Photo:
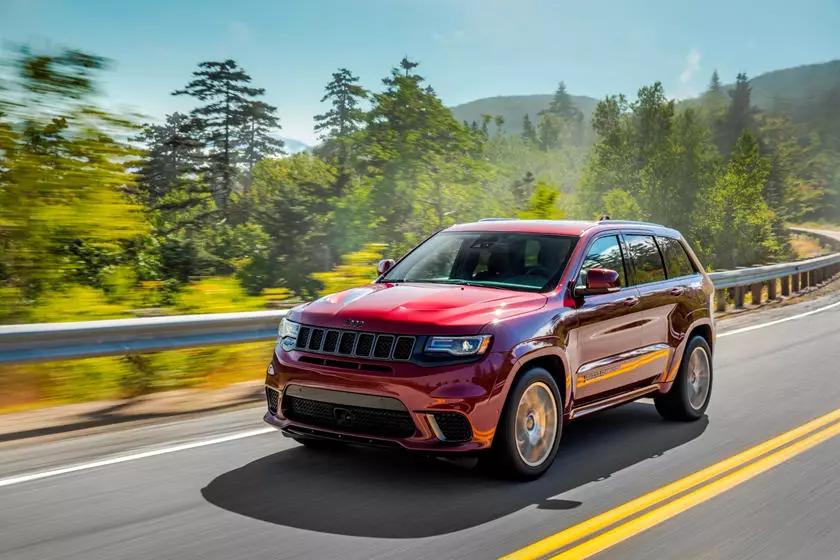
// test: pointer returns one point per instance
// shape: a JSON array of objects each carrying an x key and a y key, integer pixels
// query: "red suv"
[{"x": 489, "y": 336}]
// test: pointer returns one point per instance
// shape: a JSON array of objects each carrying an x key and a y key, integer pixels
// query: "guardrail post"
[
  {"x": 786, "y": 285},
  {"x": 771, "y": 290},
  {"x": 756, "y": 293},
  {"x": 794, "y": 279},
  {"x": 720, "y": 300},
  {"x": 739, "y": 297}
]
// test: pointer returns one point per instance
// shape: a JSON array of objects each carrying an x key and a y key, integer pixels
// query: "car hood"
[{"x": 417, "y": 308}]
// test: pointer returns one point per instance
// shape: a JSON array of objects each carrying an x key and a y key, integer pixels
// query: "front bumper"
[{"x": 423, "y": 393}]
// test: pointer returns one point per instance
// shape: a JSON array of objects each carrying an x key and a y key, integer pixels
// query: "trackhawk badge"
[{"x": 354, "y": 323}]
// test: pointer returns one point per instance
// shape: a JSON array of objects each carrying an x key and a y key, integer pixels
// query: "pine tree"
[
  {"x": 739, "y": 116},
  {"x": 254, "y": 137},
  {"x": 714, "y": 84},
  {"x": 500, "y": 123},
  {"x": 571, "y": 118},
  {"x": 338, "y": 125},
  {"x": 529, "y": 133},
  {"x": 173, "y": 159},
  {"x": 224, "y": 90}
]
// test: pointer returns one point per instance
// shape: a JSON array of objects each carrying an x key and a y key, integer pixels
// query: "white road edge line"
[
  {"x": 776, "y": 322},
  {"x": 250, "y": 433},
  {"x": 124, "y": 458}
]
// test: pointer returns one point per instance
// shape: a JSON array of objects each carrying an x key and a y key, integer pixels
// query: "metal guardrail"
[{"x": 90, "y": 339}]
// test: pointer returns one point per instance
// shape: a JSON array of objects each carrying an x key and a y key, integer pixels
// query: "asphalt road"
[{"x": 263, "y": 496}]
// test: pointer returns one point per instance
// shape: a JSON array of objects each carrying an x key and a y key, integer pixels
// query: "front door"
[{"x": 608, "y": 335}]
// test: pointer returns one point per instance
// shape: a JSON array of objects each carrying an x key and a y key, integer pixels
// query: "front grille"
[
  {"x": 355, "y": 344},
  {"x": 272, "y": 397},
  {"x": 347, "y": 418},
  {"x": 454, "y": 426}
]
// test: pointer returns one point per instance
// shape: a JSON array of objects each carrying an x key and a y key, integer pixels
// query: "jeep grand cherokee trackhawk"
[{"x": 489, "y": 336}]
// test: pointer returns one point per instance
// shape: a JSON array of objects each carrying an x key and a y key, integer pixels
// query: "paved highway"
[{"x": 223, "y": 487}]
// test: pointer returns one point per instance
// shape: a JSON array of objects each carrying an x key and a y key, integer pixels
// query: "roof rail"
[
  {"x": 496, "y": 219},
  {"x": 629, "y": 222}
]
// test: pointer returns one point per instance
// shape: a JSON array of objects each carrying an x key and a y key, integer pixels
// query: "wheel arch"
[{"x": 552, "y": 360}]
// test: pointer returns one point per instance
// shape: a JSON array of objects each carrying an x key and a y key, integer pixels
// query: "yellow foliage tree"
[{"x": 356, "y": 269}]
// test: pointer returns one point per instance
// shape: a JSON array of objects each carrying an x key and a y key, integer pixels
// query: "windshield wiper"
[{"x": 453, "y": 281}]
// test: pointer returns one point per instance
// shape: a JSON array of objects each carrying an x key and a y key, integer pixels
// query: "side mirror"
[
  {"x": 384, "y": 266},
  {"x": 599, "y": 281}
]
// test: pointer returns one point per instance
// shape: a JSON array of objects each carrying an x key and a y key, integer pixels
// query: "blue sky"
[{"x": 467, "y": 48}]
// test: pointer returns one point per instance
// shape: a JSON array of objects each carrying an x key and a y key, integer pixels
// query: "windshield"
[{"x": 517, "y": 261}]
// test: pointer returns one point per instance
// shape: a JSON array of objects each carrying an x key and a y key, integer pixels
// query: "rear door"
[
  {"x": 608, "y": 334},
  {"x": 659, "y": 298},
  {"x": 685, "y": 288}
]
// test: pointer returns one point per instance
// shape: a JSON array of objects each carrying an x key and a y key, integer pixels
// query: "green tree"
[
  {"x": 544, "y": 204},
  {"x": 529, "y": 133},
  {"x": 227, "y": 99},
  {"x": 737, "y": 220},
  {"x": 738, "y": 118},
  {"x": 567, "y": 126},
  {"x": 620, "y": 205},
  {"x": 355, "y": 270},
  {"x": 64, "y": 181},
  {"x": 338, "y": 126},
  {"x": 254, "y": 137},
  {"x": 413, "y": 147},
  {"x": 291, "y": 202}
]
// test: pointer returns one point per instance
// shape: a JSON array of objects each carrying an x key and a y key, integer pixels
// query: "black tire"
[
  {"x": 677, "y": 403},
  {"x": 318, "y": 443},
  {"x": 504, "y": 458}
]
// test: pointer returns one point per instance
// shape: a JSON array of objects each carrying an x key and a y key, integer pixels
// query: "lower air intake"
[
  {"x": 347, "y": 418},
  {"x": 454, "y": 426},
  {"x": 272, "y": 397}
]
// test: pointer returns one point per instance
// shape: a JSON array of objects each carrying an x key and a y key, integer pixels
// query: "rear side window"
[
  {"x": 677, "y": 262},
  {"x": 604, "y": 253},
  {"x": 647, "y": 260}
]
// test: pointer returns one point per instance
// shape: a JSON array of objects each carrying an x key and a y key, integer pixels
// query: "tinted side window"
[
  {"x": 646, "y": 259},
  {"x": 677, "y": 262},
  {"x": 604, "y": 253}
]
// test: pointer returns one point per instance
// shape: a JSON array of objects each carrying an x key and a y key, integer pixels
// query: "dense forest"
[{"x": 203, "y": 211}]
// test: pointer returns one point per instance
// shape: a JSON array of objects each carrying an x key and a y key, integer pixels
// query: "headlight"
[
  {"x": 288, "y": 328},
  {"x": 459, "y": 345},
  {"x": 288, "y": 333}
]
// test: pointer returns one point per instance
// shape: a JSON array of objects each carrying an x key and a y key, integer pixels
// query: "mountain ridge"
[{"x": 770, "y": 90}]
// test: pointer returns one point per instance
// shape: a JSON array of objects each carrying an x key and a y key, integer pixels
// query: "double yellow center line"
[{"x": 704, "y": 484}]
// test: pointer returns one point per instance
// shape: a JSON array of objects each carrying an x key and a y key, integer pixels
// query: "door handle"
[
  {"x": 675, "y": 291},
  {"x": 631, "y": 301}
]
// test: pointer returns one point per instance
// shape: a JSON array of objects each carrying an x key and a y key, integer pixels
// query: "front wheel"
[
  {"x": 688, "y": 397},
  {"x": 529, "y": 429}
]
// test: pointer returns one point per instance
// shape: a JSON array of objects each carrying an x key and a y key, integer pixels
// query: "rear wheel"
[
  {"x": 529, "y": 429},
  {"x": 688, "y": 397}
]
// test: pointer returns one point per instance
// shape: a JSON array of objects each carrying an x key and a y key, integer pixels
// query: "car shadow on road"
[{"x": 384, "y": 494}]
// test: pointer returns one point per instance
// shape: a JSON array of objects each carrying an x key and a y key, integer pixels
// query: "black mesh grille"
[
  {"x": 365, "y": 345},
  {"x": 384, "y": 342},
  {"x": 315, "y": 339},
  {"x": 271, "y": 397},
  {"x": 348, "y": 339},
  {"x": 303, "y": 337},
  {"x": 331, "y": 341},
  {"x": 351, "y": 419},
  {"x": 402, "y": 351},
  {"x": 454, "y": 426},
  {"x": 356, "y": 344}
]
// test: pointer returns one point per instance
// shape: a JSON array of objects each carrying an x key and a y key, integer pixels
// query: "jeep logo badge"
[{"x": 354, "y": 323}]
